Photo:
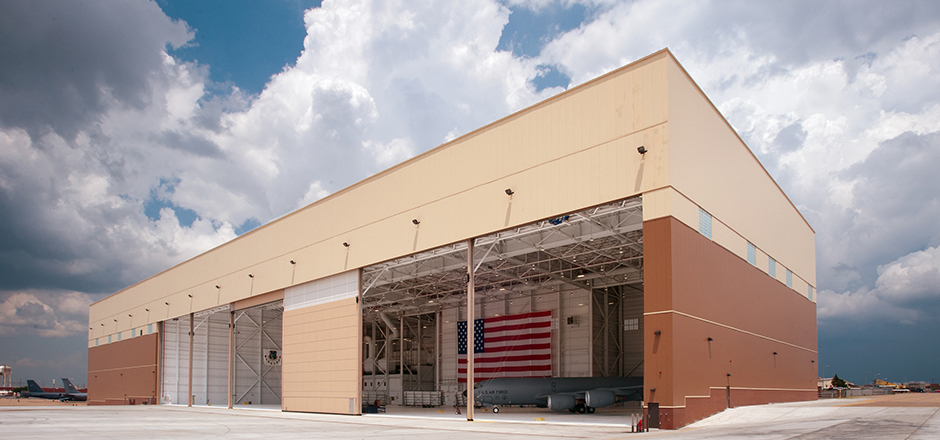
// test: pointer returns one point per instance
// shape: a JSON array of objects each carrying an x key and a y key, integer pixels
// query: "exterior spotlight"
[
  {"x": 641, "y": 149},
  {"x": 509, "y": 191},
  {"x": 146, "y": 310},
  {"x": 710, "y": 339},
  {"x": 102, "y": 324},
  {"x": 189, "y": 295},
  {"x": 652, "y": 390},
  {"x": 89, "y": 328},
  {"x": 775, "y": 353},
  {"x": 115, "y": 320},
  {"x": 250, "y": 276},
  {"x": 166, "y": 303},
  {"x": 129, "y": 315},
  {"x": 217, "y": 286},
  {"x": 345, "y": 244},
  {"x": 293, "y": 262},
  {"x": 415, "y": 221},
  {"x": 657, "y": 333}
]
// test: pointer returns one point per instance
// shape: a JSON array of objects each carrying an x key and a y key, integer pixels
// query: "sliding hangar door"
[
  {"x": 565, "y": 295},
  {"x": 246, "y": 360}
]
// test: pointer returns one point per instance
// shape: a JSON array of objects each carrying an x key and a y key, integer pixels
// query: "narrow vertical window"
[
  {"x": 96, "y": 342},
  {"x": 109, "y": 339},
  {"x": 772, "y": 267},
  {"x": 810, "y": 292},
  {"x": 119, "y": 336},
  {"x": 751, "y": 254},
  {"x": 705, "y": 223},
  {"x": 149, "y": 328},
  {"x": 789, "y": 279}
]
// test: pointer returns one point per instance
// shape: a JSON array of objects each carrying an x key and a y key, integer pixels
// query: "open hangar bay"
[{"x": 618, "y": 229}]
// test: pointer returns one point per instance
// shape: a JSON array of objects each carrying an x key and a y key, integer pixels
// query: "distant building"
[{"x": 625, "y": 209}]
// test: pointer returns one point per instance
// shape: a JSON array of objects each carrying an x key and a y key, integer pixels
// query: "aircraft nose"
[{"x": 465, "y": 394}]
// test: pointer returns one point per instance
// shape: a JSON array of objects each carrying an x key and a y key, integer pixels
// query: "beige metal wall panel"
[
  {"x": 728, "y": 239},
  {"x": 575, "y": 150},
  {"x": 322, "y": 364},
  {"x": 715, "y": 169}
]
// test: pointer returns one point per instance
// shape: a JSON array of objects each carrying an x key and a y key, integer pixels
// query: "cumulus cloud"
[
  {"x": 67, "y": 62},
  {"x": 906, "y": 291},
  {"x": 23, "y": 313}
]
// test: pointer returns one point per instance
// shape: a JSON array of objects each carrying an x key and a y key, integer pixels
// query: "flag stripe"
[
  {"x": 547, "y": 313},
  {"x": 507, "y": 369},
  {"x": 530, "y": 357},
  {"x": 525, "y": 326}
]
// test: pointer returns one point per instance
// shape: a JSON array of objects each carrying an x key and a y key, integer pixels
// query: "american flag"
[{"x": 507, "y": 346}]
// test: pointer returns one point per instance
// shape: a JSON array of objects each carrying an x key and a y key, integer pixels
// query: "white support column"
[{"x": 470, "y": 330}]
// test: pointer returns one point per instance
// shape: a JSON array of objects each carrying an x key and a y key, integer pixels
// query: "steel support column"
[
  {"x": 192, "y": 332},
  {"x": 471, "y": 332},
  {"x": 231, "y": 355}
]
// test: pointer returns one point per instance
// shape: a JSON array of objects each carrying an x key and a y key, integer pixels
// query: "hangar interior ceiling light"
[{"x": 589, "y": 249}]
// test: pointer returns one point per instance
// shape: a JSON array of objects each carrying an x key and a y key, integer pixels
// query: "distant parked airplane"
[
  {"x": 34, "y": 390},
  {"x": 72, "y": 393},
  {"x": 575, "y": 394}
]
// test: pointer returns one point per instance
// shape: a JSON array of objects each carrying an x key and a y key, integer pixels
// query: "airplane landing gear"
[
  {"x": 581, "y": 409},
  {"x": 495, "y": 410},
  {"x": 591, "y": 409}
]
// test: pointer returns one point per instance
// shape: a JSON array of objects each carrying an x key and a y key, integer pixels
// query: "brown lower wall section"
[
  {"x": 720, "y": 321},
  {"x": 698, "y": 408},
  {"x": 123, "y": 373}
]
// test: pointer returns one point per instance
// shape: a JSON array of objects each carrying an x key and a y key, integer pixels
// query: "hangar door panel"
[
  {"x": 210, "y": 359},
  {"x": 322, "y": 353},
  {"x": 258, "y": 353},
  {"x": 175, "y": 372}
]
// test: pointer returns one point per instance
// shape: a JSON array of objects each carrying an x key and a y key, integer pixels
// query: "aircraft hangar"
[{"x": 622, "y": 225}]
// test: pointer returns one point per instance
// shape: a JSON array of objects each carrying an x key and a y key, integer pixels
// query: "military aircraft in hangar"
[{"x": 575, "y": 394}]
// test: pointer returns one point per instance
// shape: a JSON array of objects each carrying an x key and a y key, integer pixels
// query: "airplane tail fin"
[
  {"x": 33, "y": 387},
  {"x": 69, "y": 388}
]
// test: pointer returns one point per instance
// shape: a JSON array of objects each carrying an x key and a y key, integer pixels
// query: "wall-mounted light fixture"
[
  {"x": 189, "y": 295},
  {"x": 115, "y": 320},
  {"x": 652, "y": 390},
  {"x": 415, "y": 221},
  {"x": 102, "y": 324},
  {"x": 129, "y": 315},
  {"x": 293, "y": 262},
  {"x": 657, "y": 333},
  {"x": 710, "y": 339},
  {"x": 345, "y": 244},
  {"x": 166, "y": 303},
  {"x": 641, "y": 149},
  {"x": 146, "y": 310},
  {"x": 509, "y": 191},
  {"x": 249, "y": 276}
]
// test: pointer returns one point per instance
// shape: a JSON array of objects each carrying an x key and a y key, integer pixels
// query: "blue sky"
[{"x": 135, "y": 135}]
